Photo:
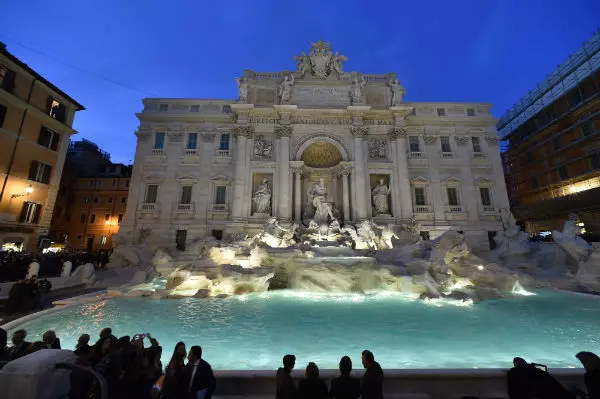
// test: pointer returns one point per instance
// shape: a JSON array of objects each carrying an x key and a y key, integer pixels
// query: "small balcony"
[
  {"x": 423, "y": 212},
  {"x": 447, "y": 155},
  {"x": 190, "y": 156},
  {"x": 479, "y": 155},
  {"x": 223, "y": 157},
  {"x": 184, "y": 211},
  {"x": 218, "y": 211},
  {"x": 455, "y": 212},
  {"x": 417, "y": 158},
  {"x": 158, "y": 151},
  {"x": 148, "y": 210},
  {"x": 158, "y": 157},
  {"x": 423, "y": 208},
  {"x": 190, "y": 151},
  {"x": 488, "y": 209}
]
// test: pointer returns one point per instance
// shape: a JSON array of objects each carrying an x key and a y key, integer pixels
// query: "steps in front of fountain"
[{"x": 338, "y": 260}]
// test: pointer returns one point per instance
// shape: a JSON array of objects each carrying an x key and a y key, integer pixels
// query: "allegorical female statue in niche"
[
  {"x": 380, "y": 195},
  {"x": 262, "y": 198}
]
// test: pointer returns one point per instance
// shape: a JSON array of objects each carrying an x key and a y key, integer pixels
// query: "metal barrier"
[{"x": 98, "y": 379}]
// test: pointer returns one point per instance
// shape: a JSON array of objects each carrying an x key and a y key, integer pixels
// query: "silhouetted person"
[
  {"x": 199, "y": 375},
  {"x": 591, "y": 363},
  {"x": 312, "y": 387},
  {"x": 345, "y": 386},
  {"x": 20, "y": 346},
  {"x": 372, "y": 381},
  {"x": 174, "y": 382},
  {"x": 285, "y": 383},
  {"x": 83, "y": 347},
  {"x": 3, "y": 342},
  {"x": 106, "y": 332},
  {"x": 50, "y": 340},
  {"x": 525, "y": 381}
]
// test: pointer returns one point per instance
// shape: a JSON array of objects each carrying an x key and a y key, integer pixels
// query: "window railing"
[
  {"x": 489, "y": 209},
  {"x": 422, "y": 208},
  {"x": 220, "y": 208},
  {"x": 416, "y": 154},
  {"x": 223, "y": 153},
  {"x": 158, "y": 151},
  {"x": 149, "y": 206},
  {"x": 190, "y": 151},
  {"x": 454, "y": 209},
  {"x": 447, "y": 155},
  {"x": 185, "y": 207},
  {"x": 479, "y": 155}
]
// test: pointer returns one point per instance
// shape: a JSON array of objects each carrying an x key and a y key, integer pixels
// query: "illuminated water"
[{"x": 255, "y": 331}]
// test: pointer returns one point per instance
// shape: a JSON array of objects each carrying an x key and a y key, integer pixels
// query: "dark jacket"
[
  {"x": 312, "y": 388},
  {"x": 527, "y": 381},
  {"x": 285, "y": 385},
  {"x": 592, "y": 384},
  {"x": 345, "y": 387},
  {"x": 55, "y": 344},
  {"x": 372, "y": 382},
  {"x": 203, "y": 379},
  {"x": 17, "y": 352}
]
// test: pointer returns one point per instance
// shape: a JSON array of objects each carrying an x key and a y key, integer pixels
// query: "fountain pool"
[{"x": 254, "y": 331}]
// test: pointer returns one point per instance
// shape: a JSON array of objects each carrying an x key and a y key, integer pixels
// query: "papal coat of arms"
[{"x": 321, "y": 62}]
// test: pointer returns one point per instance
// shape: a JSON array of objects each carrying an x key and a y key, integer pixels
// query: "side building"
[
  {"x": 218, "y": 167},
  {"x": 92, "y": 198},
  {"x": 552, "y": 146},
  {"x": 36, "y": 120}
]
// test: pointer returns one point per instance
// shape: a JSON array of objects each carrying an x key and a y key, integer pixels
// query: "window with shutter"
[
  {"x": 30, "y": 212},
  {"x": 33, "y": 170},
  {"x": 486, "y": 198},
  {"x": 220, "y": 195},
  {"x": 452, "y": 195},
  {"x": 420, "y": 196},
  {"x": 8, "y": 79},
  {"x": 445, "y": 140},
  {"x": 2, "y": 114},
  {"x": 414, "y": 143},
  {"x": 151, "y": 193},
  {"x": 186, "y": 195}
]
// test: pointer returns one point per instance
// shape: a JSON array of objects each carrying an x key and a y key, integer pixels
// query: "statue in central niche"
[{"x": 317, "y": 196}]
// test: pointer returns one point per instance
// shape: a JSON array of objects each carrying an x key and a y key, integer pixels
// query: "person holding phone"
[{"x": 200, "y": 379}]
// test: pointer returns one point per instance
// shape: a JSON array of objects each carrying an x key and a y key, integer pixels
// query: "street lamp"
[{"x": 28, "y": 190}]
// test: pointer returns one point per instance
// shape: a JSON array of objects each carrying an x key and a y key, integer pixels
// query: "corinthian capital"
[
  {"x": 359, "y": 131},
  {"x": 283, "y": 130},
  {"x": 244, "y": 130},
  {"x": 397, "y": 132}
]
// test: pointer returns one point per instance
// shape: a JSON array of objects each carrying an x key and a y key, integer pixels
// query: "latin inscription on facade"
[{"x": 322, "y": 96}]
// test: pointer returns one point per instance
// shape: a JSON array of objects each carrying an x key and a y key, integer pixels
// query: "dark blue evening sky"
[{"x": 486, "y": 50}]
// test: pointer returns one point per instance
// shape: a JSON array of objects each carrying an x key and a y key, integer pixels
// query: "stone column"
[
  {"x": 467, "y": 187},
  {"x": 283, "y": 162},
  {"x": 500, "y": 192},
  {"x": 240, "y": 133},
  {"x": 435, "y": 186},
  {"x": 345, "y": 172},
  {"x": 297, "y": 170},
  {"x": 361, "y": 187},
  {"x": 406, "y": 210}
]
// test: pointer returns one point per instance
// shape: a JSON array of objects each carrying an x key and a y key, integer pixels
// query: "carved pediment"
[
  {"x": 153, "y": 177},
  {"x": 451, "y": 180},
  {"x": 419, "y": 181},
  {"x": 221, "y": 180},
  {"x": 483, "y": 181},
  {"x": 190, "y": 179}
]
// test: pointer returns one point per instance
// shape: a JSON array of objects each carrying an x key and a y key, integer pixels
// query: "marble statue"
[
  {"x": 323, "y": 210},
  {"x": 276, "y": 236},
  {"x": 568, "y": 239},
  {"x": 336, "y": 63},
  {"x": 397, "y": 92},
  {"x": 387, "y": 233},
  {"x": 285, "y": 89},
  {"x": 511, "y": 240},
  {"x": 262, "y": 147},
  {"x": 380, "y": 195},
  {"x": 317, "y": 189},
  {"x": 242, "y": 89},
  {"x": 262, "y": 198},
  {"x": 303, "y": 61},
  {"x": 356, "y": 90},
  {"x": 365, "y": 233},
  {"x": 377, "y": 149}
]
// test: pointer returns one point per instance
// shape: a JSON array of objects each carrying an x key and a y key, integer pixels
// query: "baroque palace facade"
[{"x": 218, "y": 167}]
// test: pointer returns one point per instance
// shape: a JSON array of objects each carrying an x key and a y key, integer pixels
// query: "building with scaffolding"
[{"x": 552, "y": 146}]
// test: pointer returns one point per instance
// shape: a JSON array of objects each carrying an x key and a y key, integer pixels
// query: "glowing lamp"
[{"x": 29, "y": 189}]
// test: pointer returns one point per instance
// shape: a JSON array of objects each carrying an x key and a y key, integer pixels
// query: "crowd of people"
[
  {"x": 14, "y": 265},
  {"x": 132, "y": 369},
  {"x": 28, "y": 294}
]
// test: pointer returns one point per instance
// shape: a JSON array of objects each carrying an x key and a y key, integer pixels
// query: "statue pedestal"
[
  {"x": 257, "y": 215},
  {"x": 383, "y": 216}
]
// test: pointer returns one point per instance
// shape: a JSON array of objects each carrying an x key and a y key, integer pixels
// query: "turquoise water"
[{"x": 255, "y": 331}]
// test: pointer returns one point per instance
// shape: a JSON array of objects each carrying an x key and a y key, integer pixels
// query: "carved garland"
[
  {"x": 429, "y": 139},
  {"x": 397, "y": 132},
  {"x": 492, "y": 140},
  {"x": 461, "y": 140},
  {"x": 243, "y": 130},
  {"x": 359, "y": 131},
  {"x": 283, "y": 131}
]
